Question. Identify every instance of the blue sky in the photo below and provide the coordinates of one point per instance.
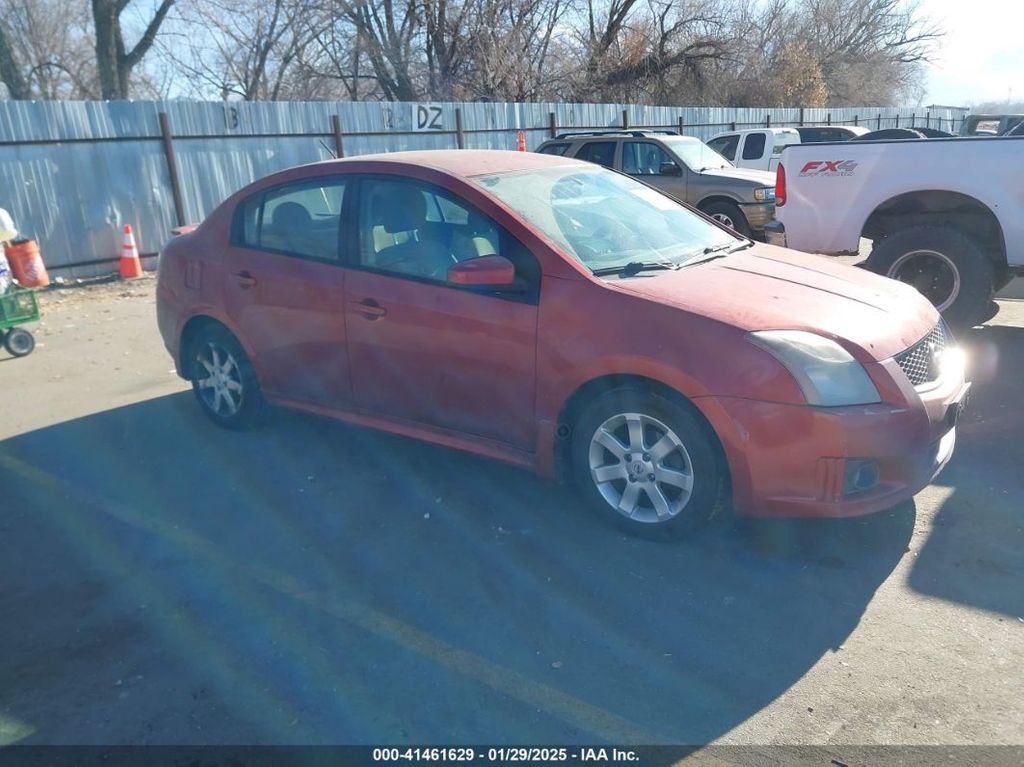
(981, 57)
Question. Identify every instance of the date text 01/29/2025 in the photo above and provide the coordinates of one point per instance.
(504, 754)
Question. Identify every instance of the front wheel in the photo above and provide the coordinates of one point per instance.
(728, 214)
(223, 379)
(947, 267)
(647, 464)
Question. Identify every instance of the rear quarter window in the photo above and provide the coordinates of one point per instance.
(556, 149)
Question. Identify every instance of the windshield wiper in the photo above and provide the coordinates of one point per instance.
(634, 268)
(719, 251)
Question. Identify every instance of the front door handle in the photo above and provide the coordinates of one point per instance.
(370, 309)
(245, 280)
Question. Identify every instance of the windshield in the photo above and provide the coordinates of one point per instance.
(695, 154)
(604, 219)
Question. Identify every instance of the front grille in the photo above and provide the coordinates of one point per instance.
(921, 361)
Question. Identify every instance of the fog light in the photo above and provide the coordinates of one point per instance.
(861, 475)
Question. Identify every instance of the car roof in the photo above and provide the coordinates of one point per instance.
(463, 162)
(622, 136)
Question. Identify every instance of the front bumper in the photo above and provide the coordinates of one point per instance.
(775, 234)
(791, 460)
(758, 214)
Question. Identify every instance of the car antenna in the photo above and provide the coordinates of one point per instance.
(330, 151)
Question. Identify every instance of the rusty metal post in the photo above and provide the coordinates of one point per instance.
(172, 168)
(552, 125)
(460, 139)
(625, 119)
(339, 147)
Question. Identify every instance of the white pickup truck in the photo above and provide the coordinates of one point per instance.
(944, 215)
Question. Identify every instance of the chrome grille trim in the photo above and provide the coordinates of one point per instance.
(920, 362)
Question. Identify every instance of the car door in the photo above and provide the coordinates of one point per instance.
(421, 349)
(285, 286)
(753, 153)
(649, 163)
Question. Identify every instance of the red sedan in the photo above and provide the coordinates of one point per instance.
(560, 316)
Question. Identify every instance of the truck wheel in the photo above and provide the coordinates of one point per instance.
(728, 214)
(946, 266)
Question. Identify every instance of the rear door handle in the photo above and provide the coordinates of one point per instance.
(370, 309)
(245, 280)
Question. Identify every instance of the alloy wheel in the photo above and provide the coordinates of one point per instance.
(219, 380)
(641, 467)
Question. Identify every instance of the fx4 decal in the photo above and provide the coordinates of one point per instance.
(829, 168)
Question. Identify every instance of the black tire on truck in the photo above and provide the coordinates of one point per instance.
(728, 214)
(945, 265)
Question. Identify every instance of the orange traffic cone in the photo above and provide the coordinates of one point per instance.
(521, 143)
(131, 266)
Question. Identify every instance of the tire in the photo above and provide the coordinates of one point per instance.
(231, 398)
(690, 478)
(19, 342)
(728, 214)
(948, 267)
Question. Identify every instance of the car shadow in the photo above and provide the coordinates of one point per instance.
(164, 581)
(974, 553)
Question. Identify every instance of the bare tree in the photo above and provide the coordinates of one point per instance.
(114, 61)
(45, 49)
(248, 49)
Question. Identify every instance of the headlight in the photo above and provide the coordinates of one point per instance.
(826, 372)
(766, 194)
(952, 362)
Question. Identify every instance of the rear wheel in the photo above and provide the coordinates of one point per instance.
(947, 267)
(728, 214)
(19, 342)
(223, 379)
(647, 464)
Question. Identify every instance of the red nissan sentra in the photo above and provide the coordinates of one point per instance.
(560, 316)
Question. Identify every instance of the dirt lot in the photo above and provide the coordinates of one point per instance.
(163, 581)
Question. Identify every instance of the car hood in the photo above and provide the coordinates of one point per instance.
(759, 177)
(769, 288)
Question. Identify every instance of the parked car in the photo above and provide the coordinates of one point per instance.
(890, 134)
(680, 166)
(989, 124)
(817, 134)
(944, 216)
(757, 149)
(566, 318)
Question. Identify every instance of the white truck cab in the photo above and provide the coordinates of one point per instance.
(758, 149)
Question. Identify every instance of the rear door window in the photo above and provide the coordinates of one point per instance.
(299, 219)
(599, 152)
(557, 149)
(753, 147)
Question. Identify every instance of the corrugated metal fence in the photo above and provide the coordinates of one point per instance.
(73, 173)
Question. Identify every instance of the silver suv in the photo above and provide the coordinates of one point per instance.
(681, 166)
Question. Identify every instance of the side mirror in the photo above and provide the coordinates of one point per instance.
(483, 271)
(669, 169)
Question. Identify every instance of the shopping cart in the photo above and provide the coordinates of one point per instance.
(18, 306)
